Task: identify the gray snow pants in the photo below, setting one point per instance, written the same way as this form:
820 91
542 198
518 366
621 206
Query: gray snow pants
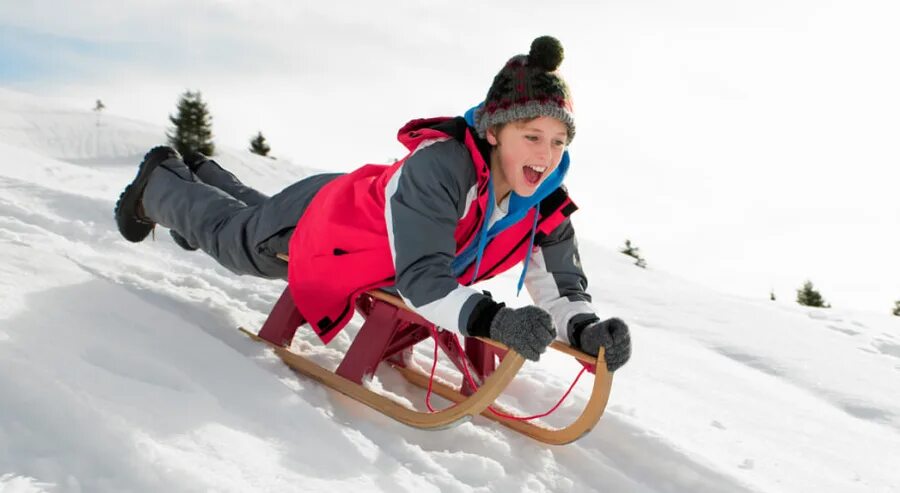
238 226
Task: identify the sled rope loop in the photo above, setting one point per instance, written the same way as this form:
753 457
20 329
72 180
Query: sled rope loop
473 385
590 414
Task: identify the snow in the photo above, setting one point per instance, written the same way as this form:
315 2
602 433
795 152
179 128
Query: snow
122 369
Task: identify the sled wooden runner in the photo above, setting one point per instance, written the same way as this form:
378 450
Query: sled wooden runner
463 410
386 332
589 417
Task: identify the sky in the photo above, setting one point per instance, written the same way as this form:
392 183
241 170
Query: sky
747 146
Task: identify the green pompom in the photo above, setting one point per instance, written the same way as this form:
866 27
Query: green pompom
546 53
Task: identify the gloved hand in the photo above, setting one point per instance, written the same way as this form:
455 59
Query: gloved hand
613 336
527 330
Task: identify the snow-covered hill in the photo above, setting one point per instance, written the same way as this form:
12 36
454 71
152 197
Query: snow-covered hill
121 367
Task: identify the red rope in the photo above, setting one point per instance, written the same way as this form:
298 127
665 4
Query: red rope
471 381
433 367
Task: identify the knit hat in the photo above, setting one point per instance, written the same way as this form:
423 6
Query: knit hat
528 86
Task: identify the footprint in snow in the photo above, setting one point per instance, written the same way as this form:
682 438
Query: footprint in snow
843 330
716 424
887 348
821 315
747 464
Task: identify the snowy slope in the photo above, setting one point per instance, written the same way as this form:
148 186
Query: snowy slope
121 368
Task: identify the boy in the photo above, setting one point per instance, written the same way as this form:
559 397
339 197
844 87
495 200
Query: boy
474 197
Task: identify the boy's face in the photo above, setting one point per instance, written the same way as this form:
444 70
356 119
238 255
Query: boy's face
528 152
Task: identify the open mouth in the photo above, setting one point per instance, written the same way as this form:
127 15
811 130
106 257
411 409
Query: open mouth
533 174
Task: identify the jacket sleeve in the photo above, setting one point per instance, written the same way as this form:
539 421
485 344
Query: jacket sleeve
556 282
424 200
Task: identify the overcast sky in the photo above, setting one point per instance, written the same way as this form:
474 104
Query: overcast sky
748 146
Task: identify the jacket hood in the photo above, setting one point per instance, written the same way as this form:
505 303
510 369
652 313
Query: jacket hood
414 132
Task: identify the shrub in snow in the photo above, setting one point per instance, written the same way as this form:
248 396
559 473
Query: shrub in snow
193 126
635 252
808 296
897 308
259 146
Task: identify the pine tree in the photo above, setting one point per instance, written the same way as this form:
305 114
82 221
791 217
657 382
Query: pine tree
772 295
635 252
897 308
98 108
193 126
808 296
259 146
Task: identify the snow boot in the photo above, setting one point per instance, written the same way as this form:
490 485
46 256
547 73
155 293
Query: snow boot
132 224
193 160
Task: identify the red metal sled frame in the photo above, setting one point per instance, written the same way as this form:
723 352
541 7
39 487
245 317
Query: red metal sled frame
387 332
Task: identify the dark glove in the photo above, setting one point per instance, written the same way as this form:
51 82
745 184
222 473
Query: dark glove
527 330
613 336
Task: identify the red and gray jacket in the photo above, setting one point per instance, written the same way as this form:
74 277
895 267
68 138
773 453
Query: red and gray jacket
402 225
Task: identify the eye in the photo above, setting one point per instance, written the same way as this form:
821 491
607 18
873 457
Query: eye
532 138
559 143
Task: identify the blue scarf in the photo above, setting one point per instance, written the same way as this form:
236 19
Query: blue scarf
518 209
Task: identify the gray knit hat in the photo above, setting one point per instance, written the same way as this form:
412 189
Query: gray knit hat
528 86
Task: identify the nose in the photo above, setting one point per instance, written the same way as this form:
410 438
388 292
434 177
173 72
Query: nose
544 154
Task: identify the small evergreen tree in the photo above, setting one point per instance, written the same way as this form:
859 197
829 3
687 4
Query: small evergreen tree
897 308
193 126
808 296
772 295
98 108
635 252
259 146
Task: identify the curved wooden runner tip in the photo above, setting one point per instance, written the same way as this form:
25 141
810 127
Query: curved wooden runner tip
589 417
465 407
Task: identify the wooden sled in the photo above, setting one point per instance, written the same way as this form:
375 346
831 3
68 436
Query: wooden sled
388 335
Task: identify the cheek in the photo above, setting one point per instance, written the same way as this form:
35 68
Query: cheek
511 168
517 156
508 160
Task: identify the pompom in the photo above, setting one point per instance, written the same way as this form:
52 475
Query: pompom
546 53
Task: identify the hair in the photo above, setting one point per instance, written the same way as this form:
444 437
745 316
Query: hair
495 129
